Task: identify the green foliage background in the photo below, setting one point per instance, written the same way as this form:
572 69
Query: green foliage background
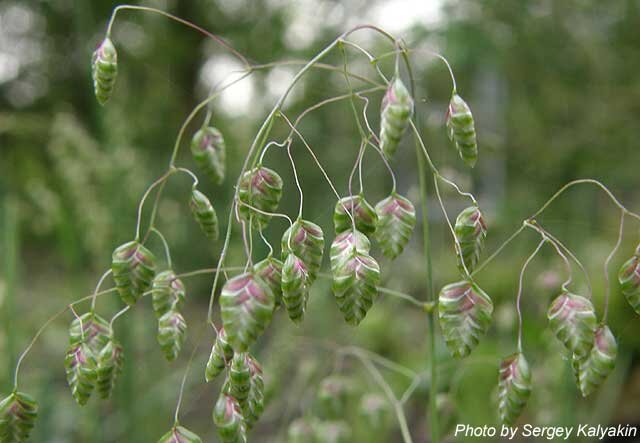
555 93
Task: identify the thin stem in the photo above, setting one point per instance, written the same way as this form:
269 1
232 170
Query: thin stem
118 314
573 257
322 170
266 242
583 181
205 271
499 250
414 301
166 246
190 173
295 176
45 325
546 236
203 31
607 289
162 179
95 292
518 298
457 246
184 380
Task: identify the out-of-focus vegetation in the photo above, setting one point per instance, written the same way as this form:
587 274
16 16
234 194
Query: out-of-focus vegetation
555 94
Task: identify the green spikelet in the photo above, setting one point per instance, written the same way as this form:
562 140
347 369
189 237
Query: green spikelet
172 330
205 214
363 213
178 434
295 287
629 278
396 111
255 402
109 367
471 230
80 365
133 268
246 305
461 130
572 319
270 270
596 367
343 246
104 70
333 395
95 331
465 315
396 220
514 387
300 431
355 284
168 293
18 413
221 355
209 152
229 421
306 240
260 188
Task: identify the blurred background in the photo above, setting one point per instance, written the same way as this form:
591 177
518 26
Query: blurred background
555 94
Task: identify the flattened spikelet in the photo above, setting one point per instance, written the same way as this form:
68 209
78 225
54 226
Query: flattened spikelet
133 268
209 152
18 413
397 109
205 214
104 70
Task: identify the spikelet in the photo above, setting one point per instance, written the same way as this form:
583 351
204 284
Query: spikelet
95 331
471 231
133 268
172 330
246 305
295 287
345 243
396 111
306 240
270 270
80 365
209 152
514 387
110 361
461 130
179 434
355 284
363 213
240 379
18 413
221 355
596 367
229 421
104 70
168 293
573 320
629 278
260 188
255 402
205 214
396 221
465 315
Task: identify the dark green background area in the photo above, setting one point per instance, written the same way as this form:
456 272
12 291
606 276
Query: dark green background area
555 92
